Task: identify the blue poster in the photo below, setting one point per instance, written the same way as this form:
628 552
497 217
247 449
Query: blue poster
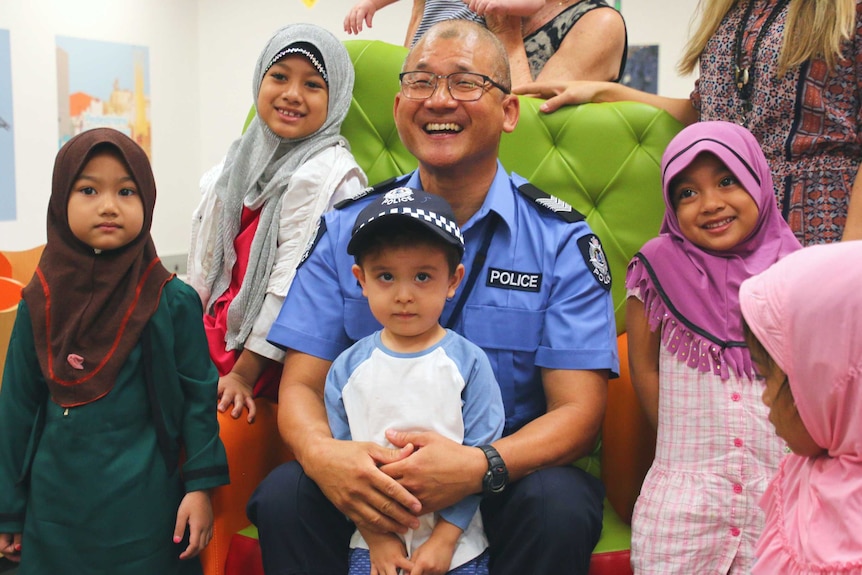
642 69
7 149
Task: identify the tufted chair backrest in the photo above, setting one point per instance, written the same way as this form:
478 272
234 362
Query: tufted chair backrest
603 159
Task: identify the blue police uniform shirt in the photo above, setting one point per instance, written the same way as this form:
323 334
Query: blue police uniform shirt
537 303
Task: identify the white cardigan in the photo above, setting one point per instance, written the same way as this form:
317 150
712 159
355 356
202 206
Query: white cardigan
321 182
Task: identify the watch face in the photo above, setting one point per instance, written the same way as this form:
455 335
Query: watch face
496 479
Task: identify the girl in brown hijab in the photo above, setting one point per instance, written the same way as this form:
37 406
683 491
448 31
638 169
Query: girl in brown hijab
107 378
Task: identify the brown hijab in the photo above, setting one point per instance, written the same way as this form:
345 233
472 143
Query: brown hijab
88 309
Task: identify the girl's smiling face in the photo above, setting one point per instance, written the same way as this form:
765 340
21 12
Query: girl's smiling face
713 209
293 98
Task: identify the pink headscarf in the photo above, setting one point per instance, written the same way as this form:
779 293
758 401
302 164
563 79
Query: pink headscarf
693 292
806 310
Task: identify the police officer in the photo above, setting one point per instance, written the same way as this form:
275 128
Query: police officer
536 299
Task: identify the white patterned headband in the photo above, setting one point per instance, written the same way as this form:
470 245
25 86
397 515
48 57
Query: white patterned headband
303 49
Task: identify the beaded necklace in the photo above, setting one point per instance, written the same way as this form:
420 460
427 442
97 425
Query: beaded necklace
743 71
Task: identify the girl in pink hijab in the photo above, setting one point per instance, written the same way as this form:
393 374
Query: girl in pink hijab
715 452
806 313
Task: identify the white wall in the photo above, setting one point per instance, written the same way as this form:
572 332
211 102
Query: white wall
169 29
201 58
666 23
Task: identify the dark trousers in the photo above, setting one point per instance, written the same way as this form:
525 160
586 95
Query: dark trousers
546 523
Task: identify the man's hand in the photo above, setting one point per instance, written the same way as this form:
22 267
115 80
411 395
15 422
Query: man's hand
440 473
347 473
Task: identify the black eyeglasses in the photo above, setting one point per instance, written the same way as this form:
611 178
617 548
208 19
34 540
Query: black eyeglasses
464 86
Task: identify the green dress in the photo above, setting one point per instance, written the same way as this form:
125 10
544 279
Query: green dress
90 487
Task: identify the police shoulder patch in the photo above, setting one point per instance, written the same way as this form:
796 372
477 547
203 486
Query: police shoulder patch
380 188
552 203
594 257
309 247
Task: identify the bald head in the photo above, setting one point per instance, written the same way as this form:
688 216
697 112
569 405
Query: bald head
470 34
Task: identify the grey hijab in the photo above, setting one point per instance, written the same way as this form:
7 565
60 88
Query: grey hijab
256 174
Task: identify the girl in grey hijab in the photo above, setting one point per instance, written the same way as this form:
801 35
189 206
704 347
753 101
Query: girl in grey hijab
261 206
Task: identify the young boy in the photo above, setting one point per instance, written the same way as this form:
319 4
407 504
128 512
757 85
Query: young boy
414 374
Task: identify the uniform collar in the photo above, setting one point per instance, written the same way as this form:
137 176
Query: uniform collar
500 198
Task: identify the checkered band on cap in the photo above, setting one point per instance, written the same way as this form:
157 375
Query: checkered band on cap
313 58
431 217
432 211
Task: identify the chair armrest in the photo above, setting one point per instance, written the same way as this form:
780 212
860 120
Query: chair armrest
253 450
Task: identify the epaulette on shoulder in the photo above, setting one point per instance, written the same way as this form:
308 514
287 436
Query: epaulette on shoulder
380 188
552 203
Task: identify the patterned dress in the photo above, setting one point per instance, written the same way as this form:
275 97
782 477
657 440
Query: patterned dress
809 122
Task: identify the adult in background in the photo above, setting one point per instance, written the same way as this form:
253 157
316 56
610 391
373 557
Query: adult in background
548 333
791 72
563 40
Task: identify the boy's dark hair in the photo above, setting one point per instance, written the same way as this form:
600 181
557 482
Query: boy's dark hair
402 232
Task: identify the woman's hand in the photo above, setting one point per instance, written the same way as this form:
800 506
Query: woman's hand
559 94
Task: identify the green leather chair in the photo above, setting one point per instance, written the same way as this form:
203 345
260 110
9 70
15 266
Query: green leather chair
604 159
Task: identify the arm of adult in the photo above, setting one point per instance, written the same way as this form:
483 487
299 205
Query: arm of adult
853 227
346 471
559 94
592 50
442 471
643 358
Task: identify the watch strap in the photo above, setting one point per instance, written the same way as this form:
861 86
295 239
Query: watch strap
497 476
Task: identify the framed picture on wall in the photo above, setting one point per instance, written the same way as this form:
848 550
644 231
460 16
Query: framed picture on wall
103 85
642 69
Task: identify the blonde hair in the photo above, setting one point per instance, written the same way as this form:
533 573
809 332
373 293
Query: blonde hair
815 28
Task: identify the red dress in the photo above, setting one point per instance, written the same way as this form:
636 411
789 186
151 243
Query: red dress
215 323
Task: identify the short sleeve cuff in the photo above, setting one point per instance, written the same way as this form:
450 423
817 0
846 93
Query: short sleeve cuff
579 359
287 338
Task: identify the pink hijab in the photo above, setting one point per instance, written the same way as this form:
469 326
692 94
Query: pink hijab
692 292
807 312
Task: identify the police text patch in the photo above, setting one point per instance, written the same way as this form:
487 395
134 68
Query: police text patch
508 279
594 257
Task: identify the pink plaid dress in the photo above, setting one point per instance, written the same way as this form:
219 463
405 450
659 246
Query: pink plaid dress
698 512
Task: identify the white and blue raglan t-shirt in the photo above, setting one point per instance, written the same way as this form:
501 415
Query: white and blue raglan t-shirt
449 388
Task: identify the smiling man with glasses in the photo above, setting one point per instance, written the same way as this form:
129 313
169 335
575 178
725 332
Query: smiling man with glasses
533 300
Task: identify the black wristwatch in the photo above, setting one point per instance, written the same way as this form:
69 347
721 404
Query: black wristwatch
497 476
